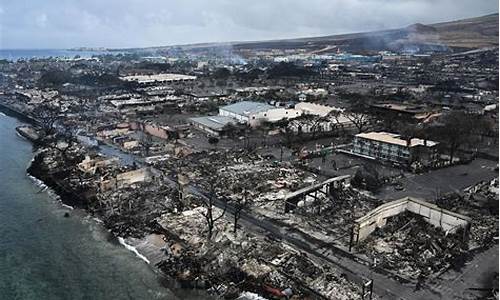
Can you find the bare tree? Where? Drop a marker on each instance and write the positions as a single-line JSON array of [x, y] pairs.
[[458, 129], [240, 204], [360, 120], [336, 114], [317, 125], [211, 200], [332, 119]]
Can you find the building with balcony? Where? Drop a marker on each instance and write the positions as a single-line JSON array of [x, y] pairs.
[[392, 148]]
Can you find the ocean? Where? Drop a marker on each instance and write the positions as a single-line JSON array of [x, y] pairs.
[[16, 54], [45, 255]]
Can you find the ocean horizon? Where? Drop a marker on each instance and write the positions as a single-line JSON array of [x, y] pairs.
[[17, 54]]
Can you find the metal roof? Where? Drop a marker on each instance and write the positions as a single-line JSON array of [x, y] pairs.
[[393, 138], [246, 108], [213, 122]]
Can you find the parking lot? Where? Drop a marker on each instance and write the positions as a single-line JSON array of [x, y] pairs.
[[434, 183]]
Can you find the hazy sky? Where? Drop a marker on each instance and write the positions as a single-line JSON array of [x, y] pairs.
[[140, 23]]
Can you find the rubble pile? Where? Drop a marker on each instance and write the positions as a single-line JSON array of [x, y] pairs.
[[132, 211], [480, 203], [57, 170], [231, 173], [229, 264], [337, 212], [127, 211], [414, 248]]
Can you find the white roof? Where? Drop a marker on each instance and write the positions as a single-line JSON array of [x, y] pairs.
[[315, 109], [246, 108], [393, 138], [214, 122], [158, 77]]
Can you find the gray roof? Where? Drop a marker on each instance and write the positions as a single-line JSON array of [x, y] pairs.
[[213, 122], [247, 107]]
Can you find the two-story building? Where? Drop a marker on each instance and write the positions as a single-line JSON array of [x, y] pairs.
[[391, 147]]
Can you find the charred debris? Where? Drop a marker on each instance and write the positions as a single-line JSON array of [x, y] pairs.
[[255, 171]]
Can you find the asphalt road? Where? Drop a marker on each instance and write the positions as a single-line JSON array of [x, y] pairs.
[[384, 286]]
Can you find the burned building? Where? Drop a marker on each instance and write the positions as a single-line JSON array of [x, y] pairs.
[[447, 220]]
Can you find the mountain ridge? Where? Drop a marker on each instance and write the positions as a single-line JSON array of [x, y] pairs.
[[457, 35]]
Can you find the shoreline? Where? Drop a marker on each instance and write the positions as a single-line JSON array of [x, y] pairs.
[[63, 196], [51, 186], [133, 250], [186, 272], [14, 113], [144, 248]]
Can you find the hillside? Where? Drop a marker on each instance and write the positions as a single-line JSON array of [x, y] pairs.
[[470, 33], [453, 36], [448, 36]]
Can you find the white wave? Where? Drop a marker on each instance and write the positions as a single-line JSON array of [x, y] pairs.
[[2, 114], [250, 296], [38, 182], [49, 191], [54, 195], [67, 206], [19, 135], [133, 249]]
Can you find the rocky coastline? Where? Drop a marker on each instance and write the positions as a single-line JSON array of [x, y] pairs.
[[175, 244], [148, 248], [149, 219]]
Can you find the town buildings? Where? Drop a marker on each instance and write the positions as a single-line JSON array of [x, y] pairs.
[[159, 78]]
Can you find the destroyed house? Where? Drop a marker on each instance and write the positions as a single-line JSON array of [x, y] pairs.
[[126, 179], [308, 195], [396, 109], [89, 165], [390, 147], [447, 220]]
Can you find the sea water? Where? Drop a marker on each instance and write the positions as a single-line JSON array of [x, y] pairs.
[[44, 255]]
